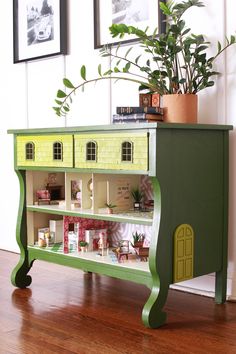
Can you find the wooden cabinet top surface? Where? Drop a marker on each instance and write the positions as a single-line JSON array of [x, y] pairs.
[[121, 127]]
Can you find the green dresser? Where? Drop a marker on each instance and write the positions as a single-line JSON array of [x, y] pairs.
[[188, 169]]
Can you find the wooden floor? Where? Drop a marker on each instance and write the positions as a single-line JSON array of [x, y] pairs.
[[67, 311]]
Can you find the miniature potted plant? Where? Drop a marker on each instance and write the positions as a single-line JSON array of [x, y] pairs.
[[137, 196], [138, 239], [83, 245], [110, 207], [175, 63]]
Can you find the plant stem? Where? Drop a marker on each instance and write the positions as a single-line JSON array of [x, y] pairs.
[[151, 87]]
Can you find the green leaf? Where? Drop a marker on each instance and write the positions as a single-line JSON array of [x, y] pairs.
[[100, 69], [108, 72], [118, 47], [137, 59], [83, 72], [219, 46], [232, 39], [186, 31], [165, 9], [61, 94], [58, 102], [66, 109], [154, 33], [126, 68], [128, 51], [68, 83], [105, 55], [201, 48], [210, 83]]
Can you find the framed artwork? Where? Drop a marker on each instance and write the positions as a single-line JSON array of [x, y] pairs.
[[137, 13], [39, 29]]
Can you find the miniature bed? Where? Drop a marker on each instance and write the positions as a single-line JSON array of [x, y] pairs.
[[188, 169]]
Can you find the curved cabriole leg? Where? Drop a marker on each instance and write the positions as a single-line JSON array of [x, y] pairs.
[[152, 314], [19, 275]]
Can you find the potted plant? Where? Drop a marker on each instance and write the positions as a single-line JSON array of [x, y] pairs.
[[137, 196], [110, 207], [138, 239], [83, 245], [175, 63]]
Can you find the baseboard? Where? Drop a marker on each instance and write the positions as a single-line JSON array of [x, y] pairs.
[[205, 286]]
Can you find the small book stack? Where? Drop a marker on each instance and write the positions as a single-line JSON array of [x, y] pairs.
[[148, 111]]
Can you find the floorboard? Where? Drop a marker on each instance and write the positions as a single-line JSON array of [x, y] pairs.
[[68, 311]]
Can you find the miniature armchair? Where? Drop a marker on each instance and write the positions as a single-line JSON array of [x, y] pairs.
[[43, 197]]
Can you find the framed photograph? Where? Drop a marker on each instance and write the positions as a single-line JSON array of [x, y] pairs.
[[137, 13], [39, 29]]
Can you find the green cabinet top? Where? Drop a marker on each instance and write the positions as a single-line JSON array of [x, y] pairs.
[[130, 126]]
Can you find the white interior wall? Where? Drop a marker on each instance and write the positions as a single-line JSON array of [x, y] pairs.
[[28, 91]]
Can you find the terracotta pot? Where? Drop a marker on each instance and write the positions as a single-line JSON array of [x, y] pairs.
[[138, 244], [180, 108]]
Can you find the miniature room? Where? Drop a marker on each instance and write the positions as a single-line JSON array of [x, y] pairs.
[[45, 188]]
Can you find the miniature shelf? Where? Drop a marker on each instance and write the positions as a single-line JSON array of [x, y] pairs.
[[140, 218], [134, 270]]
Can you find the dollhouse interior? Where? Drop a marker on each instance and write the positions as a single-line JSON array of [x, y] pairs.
[[88, 195]]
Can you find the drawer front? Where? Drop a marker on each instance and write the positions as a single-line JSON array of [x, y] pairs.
[[45, 150], [112, 151]]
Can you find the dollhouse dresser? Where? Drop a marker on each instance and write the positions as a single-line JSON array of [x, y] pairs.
[[187, 166]]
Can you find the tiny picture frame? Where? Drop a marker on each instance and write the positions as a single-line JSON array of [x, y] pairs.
[[39, 29], [155, 100], [145, 99]]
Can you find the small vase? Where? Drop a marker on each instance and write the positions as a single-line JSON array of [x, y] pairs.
[[180, 108]]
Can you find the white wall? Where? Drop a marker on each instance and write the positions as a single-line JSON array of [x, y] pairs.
[[28, 91]]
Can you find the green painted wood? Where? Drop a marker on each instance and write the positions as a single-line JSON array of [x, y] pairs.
[[19, 275], [116, 271], [153, 315], [122, 127], [189, 169], [221, 275], [108, 217], [82, 170], [85, 129]]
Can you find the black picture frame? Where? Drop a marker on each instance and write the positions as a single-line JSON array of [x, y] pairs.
[[99, 26], [39, 29]]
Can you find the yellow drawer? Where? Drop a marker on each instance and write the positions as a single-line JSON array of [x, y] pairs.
[[114, 151], [45, 150]]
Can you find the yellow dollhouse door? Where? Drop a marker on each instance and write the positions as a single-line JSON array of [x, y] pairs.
[[183, 253]]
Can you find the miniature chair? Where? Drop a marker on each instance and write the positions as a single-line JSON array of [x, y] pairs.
[[43, 197]]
